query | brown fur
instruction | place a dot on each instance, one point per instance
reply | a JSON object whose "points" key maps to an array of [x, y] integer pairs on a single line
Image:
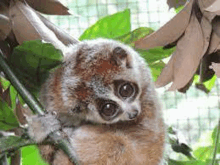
{"points": [[128, 142]]}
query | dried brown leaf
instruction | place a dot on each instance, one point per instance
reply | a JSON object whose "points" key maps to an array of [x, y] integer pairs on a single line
{"points": [[49, 7], [188, 54], [216, 25], [5, 27], [168, 33], [4, 6], [206, 31], [203, 4], [6, 96], [175, 3], [210, 16], [12, 41], [166, 75], [214, 43], [61, 34], [19, 111], [4, 47], [204, 72], [214, 7], [26, 25], [16, 156], [187, 86], [216, 68]]}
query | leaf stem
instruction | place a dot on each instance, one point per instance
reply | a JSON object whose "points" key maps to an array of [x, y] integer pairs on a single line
{"points": [[36, 107]]}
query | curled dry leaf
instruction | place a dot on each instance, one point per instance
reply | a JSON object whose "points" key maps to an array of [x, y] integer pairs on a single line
{"points": [[186, 87], [5, 27], [216, 25], [26, 25], [209, 15], [188, 54], [206, 32], [166, 75], [6, 96], [168, 33], [216, 68], [214, 43], [5, 48], [203, 4], [61, 34], [19, 111], [214, 7], [4, 6], [49, 7]]}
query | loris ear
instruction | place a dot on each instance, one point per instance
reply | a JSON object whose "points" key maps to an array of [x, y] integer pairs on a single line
{"points": [[119, 55]]}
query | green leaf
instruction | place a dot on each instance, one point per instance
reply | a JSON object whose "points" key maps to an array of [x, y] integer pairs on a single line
{"points": [[30, 155], [4, 83], [7, 117], [192, 162], [210, 83], [155, 54], [133, 36], [204, 153], [156, 69], [205, 86], [109, 27], [13, 95], [32, 61]]}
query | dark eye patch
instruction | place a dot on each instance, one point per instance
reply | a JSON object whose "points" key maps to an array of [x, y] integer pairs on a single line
{"points": [[125, 89]]}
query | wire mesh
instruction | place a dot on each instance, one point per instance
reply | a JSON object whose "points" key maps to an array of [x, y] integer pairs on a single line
{"points": [[148, 13], [193, 113]]}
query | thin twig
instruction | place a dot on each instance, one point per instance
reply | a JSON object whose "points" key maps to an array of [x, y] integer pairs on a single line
{"points": [[36, 107]]}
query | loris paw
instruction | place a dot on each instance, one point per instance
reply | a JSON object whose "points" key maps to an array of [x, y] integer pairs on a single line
{"points": [[39, 127]]}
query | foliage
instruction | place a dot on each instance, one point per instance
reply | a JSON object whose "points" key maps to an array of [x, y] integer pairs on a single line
{"points": [[33, 60], [106, 27]]}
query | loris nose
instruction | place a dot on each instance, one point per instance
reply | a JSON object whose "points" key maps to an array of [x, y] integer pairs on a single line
{"points": [[133, 114]]}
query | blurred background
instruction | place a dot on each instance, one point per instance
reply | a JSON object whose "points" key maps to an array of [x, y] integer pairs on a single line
{"points": [[195, 113]]}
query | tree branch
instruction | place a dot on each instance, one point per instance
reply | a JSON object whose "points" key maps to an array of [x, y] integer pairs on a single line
{"points": [[35, 106]]}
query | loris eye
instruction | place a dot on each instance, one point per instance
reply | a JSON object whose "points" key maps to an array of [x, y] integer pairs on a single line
{"points": [[109, 109], [126, 90]]}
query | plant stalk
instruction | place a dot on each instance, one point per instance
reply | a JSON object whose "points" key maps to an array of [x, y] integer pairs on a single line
{"points": [[36, 107]]}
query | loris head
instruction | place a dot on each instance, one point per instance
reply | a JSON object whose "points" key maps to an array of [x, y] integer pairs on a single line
{"points": [[101, 81]]}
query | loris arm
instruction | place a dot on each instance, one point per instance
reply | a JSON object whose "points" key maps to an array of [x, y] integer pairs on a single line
{"points": [[39, 127]]}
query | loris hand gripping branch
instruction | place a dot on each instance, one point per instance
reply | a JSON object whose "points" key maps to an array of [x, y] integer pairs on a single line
{"points": [[106, 105]]}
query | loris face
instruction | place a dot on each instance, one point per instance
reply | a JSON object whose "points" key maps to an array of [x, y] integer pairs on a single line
{"points": [[102, 81]]}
